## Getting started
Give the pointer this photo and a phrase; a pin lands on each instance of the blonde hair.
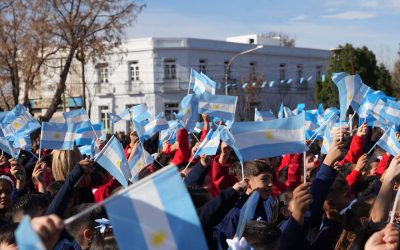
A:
(63, 162)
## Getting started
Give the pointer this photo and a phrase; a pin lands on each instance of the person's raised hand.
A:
(337, 149)
(87, 166)
(240, 186)
(302, 199)
(386, 239)
(362, 130)
(361, 163)
(48, 228)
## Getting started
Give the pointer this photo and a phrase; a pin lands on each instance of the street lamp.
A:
(228, 67)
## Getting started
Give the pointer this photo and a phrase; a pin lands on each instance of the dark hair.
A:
(85, 220)
(30, 204)
(338, 186)
(262, 235)
(365, 186)
(7, 235)
(199, 195)
(163, 159)
(255, 168)
(283, 174)
(54, 187)
(104, 241)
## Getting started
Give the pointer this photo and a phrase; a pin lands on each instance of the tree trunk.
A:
(26, 94)
(60, 86)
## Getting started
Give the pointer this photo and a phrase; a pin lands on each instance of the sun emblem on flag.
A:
(216, 106)
(187, 111)
(391, 144)
(158, 238)
(350, 97)
(57, 136)
(118, 162)
(17, 125)
(269, 135)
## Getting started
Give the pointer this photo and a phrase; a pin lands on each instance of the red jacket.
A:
(182, 155)
(220, 177)
(355, 151)
(353, 178)
(294, 171)
(383, 164)
(105, 190)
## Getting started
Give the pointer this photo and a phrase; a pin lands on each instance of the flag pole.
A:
(40, 143)
(188, 164)
(304, 153)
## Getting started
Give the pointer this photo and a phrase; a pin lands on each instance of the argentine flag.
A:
(312, 122)
(228, 138)
(210, 144)
(112, 158)
(85, 136)
(140, 159)
(22, 141)
(392, 112)
(389, 142)
(8, 148)
(247, 213)
(281, 112)
(218, 106)
(78, 117)
(200, 83)
(156, 213)
(258, 140)
(188, 112)
(264, 116)
(329, 132)
(57, 136)
(158, 124)
(18, 120)
(348, 86)
(140, 112)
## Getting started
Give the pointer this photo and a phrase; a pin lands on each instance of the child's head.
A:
(340, 195)
(259, 177)
(356, 218)
(7, 236)
(262, 235)
(83, 229)
(33, 205)
(310, 159)
(6, 191)
(372, 165)
(104, 241)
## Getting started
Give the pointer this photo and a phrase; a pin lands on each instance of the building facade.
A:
(156, 71)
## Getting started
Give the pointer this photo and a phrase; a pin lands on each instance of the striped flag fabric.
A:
(389, 142)
(18, 121)
(140, 160)
(156, 213)
(201, 83)
(57, 136)
(112, 158)
(86, 135)
(263, 116)
(210, 144)
(79, 117)
(258, 140)
(218, 106)
(158, 124)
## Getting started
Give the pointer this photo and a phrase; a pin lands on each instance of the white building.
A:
(156, 71)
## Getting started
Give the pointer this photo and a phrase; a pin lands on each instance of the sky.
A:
(314, 24)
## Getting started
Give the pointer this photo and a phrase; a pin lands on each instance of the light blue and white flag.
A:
(57, 136)
(312, 122)
(112, 158)
(228, 138)
(247, 213)
(79, 117)
(200, 83)
(158, 124)
(114, 118)
(22, 141)
(348, 86)
(287, 112)
(156, 213)
(389, 142)
(140, 112)
(300, 108)
(27, 238)
(140, 159)
(210, 144)
(281, 113)
(258, 140)
(218, 106)
(6, 146)
(392, 112)
(20, 121)
(263, 116)
(188, 112)
(329, 132)
(85, 136)
(87, 150)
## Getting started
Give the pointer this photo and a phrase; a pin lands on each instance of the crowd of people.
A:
(343, 202)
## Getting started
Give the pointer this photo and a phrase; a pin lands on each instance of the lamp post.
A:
(228, 67)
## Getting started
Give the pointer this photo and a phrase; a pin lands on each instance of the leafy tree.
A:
(352, 60)
(91, 26)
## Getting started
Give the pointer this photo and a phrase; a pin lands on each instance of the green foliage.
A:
(352, 60)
